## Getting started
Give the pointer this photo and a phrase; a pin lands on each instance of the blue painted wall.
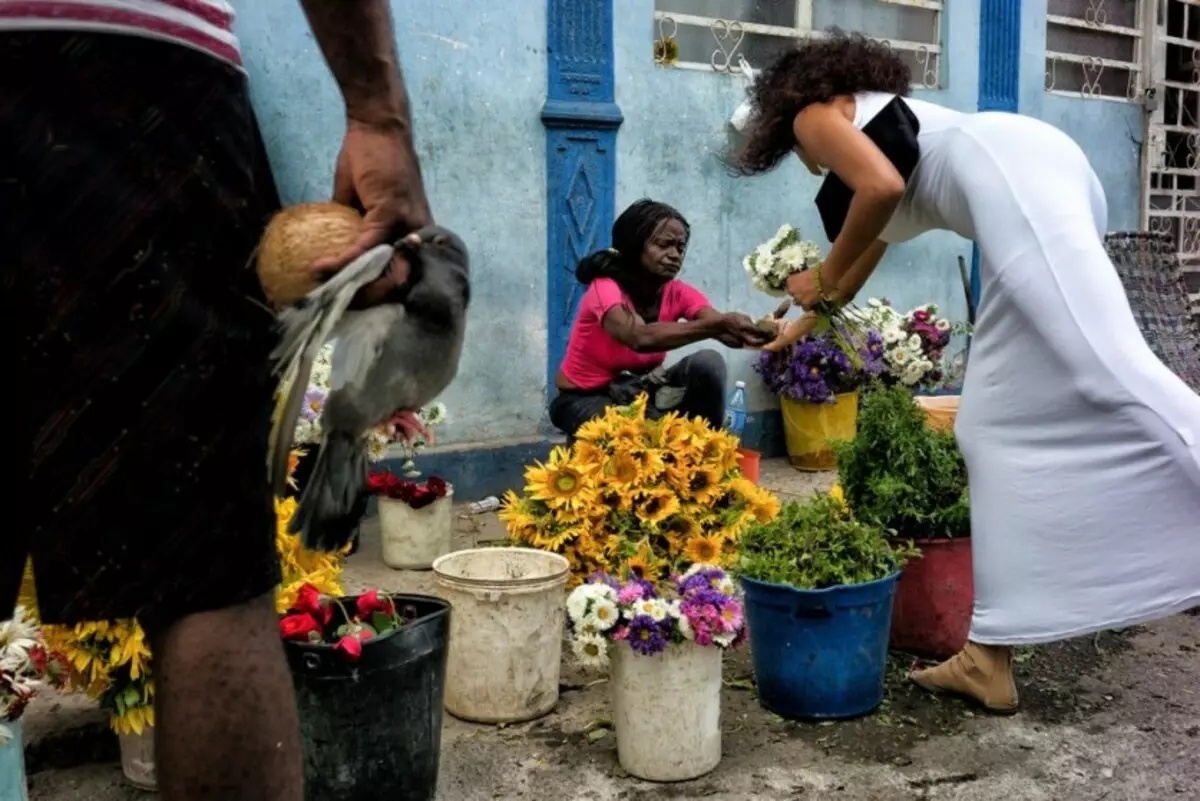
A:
(478, 76)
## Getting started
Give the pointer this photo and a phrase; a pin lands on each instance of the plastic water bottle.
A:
(735, 410)
(488, 504)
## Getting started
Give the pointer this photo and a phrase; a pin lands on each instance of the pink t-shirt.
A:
(593, 357)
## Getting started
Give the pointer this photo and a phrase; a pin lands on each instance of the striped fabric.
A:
(206, 25)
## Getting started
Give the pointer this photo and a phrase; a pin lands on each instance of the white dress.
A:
(1080, 444)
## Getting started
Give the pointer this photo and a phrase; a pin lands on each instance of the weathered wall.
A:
(476, 73)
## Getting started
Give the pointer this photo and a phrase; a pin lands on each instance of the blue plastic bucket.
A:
(820, 654)
(12, 764)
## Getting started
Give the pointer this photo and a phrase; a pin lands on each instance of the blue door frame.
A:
(581, 121)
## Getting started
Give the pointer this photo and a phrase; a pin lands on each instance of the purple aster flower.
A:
(314, 401)
(646, 635)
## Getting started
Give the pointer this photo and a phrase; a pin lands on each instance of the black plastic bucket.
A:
(372, 729)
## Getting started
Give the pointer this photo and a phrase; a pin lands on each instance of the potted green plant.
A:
(903, 475)
(819, 586)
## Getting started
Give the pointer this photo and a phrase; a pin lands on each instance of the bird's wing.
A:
(360, 341)
(305, 328)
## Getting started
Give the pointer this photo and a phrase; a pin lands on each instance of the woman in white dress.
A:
(1080, 444)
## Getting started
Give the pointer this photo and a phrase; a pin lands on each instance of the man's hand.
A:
(377, 171)
(792, 331)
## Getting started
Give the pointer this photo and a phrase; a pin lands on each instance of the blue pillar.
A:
(999, 74)
(581, 121)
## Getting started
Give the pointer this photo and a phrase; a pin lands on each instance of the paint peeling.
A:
(454, 43)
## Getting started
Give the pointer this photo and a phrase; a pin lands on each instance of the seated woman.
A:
(633, 312)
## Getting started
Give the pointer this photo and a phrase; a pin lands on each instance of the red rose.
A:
(437, 486)
(308, 599)
(298, 626)
(382, 483)
(421, 498)
(39, 658)
(349, 646)
(370, 602)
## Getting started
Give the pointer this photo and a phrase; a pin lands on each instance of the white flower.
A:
(578, 601)
(656, 608)
(875, 303)
(893, 334)
(724, 640)
(914, 343)
(591, 650)
(604, 614)
(942, 324)
(899, 356)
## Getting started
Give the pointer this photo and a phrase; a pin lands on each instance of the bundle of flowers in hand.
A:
(637, 496)
(414, 433)
(774, 261)
(700, 606)
(417, 494)
(27, 665)
(316, 618)
(816, 369)
(770, 264)
(913, 342)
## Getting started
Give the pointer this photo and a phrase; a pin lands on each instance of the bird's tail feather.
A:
(335, 499)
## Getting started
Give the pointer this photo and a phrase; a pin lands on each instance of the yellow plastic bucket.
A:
(809, 427)
(940, 411)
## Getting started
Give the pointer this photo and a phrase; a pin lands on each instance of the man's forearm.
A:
(359, 45)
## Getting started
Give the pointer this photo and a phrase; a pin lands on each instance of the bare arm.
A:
(625, 326)
(854, 278)
(356, 39)
(828, 136)
(377, 168)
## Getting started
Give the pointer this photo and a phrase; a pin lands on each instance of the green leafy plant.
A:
(901, 474)
(819, 544)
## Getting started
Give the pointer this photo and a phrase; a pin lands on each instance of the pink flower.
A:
(731, 617)
(921, 315)
(621, 633)
(629, 593)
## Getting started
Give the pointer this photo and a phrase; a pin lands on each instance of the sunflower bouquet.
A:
(639, 497)
(110, 661)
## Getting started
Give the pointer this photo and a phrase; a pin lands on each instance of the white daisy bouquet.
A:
(379, 439)
(26, 666)
(914, 342)
(770, 264)
(700, 606)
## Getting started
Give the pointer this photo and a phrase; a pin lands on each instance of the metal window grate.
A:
(714, 35)
(1094, 48)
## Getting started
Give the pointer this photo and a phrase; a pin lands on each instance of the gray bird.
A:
(393, 359)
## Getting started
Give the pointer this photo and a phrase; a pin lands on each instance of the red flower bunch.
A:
(415, 495)
(309, 620)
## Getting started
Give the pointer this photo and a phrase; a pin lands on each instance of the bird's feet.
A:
(408, 427)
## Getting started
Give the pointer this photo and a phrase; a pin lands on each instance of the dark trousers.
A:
(133, 188)
(701, 376)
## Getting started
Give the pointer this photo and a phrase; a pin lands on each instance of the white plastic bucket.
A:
(137, 759)
(505, 632)
(667, 711)
(413, 538)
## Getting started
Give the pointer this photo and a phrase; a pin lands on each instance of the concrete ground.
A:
(1114, 717)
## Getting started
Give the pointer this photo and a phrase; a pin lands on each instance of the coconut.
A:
(295, 239)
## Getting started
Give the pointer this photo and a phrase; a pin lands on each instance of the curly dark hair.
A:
(815, 71)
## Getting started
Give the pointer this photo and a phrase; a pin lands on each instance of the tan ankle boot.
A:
(980, 672)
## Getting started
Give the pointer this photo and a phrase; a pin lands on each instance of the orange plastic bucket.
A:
(940, 410)
(749, 461)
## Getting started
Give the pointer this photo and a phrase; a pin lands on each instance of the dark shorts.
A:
(133, 188)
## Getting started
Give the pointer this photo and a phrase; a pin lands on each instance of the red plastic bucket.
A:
(932, 613)
(748, 461)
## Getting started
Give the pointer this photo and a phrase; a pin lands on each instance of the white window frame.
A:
(728, 34)
(1095, 19)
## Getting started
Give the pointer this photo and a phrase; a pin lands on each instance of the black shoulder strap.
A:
(894, 131)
